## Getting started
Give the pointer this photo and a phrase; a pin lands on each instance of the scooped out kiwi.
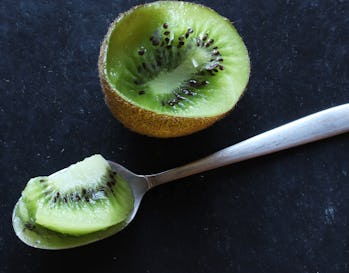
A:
(73, 204)
(172, 68)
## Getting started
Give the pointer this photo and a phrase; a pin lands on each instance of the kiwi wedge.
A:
(86, 200)
(172, 68)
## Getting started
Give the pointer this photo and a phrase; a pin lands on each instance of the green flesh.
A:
(38, 236)
(143, 71)
(81, 199)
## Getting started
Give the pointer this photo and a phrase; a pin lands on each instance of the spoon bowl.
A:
(324, 124)
(41, 237)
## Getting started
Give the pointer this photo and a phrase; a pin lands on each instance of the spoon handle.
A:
(323, 124)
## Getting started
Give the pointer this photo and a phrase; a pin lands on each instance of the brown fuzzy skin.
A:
(141, 120)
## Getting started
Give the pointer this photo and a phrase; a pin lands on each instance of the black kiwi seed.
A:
(221, 67)
(71, 196)
(204, 38)
(77, 197)
(42, 180)
(55, 197)
(193, 83)
(172, 102)
(167, 40)
(29, 226)
(165, 25)
(102, 190)
(187, 92)
(179, 97)
(83, 191)
(181, 43)
(141, 92)
(87, 199)
(141, 52)
(189, 31)
(155, 42)
(215, 52)
(65, 199)
(166, 33)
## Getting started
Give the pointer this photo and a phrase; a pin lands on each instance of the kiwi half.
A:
(82, 199)
(171, 68)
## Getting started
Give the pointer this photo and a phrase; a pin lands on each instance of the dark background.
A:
(287, 212)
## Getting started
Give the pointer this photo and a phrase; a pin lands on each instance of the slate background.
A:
(286, 212)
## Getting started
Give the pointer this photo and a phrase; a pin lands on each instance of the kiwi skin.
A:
(143, 121)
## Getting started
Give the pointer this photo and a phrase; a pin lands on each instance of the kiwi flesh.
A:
(171, 68)
(85, 198)
(38, 236)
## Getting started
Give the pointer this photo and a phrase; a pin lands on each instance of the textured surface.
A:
(286, 212)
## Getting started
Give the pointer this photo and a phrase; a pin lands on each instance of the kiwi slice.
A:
(171, 68)
(82, 199)
(38, 236)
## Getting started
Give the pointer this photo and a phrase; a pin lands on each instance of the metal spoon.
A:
(320, 125)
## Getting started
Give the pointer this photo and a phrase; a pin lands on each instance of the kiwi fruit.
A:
(85, 198)
(36, 235)
(172, 68)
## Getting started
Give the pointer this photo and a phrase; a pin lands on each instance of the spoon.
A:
(320, 125)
